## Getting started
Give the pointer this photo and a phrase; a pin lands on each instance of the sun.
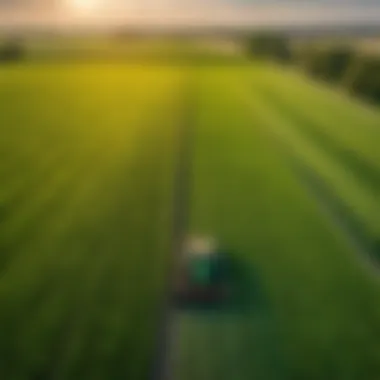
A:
(84, 5)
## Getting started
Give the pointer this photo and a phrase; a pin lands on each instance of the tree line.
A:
(11, 50)
(339, 64)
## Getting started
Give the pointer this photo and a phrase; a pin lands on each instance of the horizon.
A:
(69, 13)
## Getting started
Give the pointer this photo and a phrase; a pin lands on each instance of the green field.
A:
(89, 152)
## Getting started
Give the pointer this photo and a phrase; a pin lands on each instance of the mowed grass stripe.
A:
(40, 206)
(40, 193)
(348, 157)
(20, 190)
(346, 119)
(246, 195)
(29, 282)
(23, 182)
(38, 310)
(360, 199)
(25, 168)
(99, 269)
(41, 252)
(214, 344)
(150, 232)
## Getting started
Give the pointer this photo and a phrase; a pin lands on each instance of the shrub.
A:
(363, 78)
(269, 46)
(335, 63)
(330, 64)
(11, 50)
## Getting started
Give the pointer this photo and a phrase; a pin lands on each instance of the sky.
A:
(220, 12)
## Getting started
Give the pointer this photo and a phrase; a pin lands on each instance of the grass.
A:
(86, 200)
(339, 147)
(87, 171)
(321, 305)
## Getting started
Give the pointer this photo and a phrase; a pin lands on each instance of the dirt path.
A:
(169, 325)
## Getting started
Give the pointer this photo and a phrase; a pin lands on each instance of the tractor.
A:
(203, 277)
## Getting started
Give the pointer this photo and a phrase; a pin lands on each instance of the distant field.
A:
(88, 156)
(137, 49)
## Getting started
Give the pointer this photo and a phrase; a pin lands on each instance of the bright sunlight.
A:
(84, 5)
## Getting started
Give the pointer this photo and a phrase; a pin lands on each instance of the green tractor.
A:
(203, 276)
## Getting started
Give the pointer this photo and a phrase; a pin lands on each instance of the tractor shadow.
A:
(245, 291)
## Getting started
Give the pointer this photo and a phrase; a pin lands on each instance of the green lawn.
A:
(336, 136)
(317, 304)
(86, 197)
(88, 153)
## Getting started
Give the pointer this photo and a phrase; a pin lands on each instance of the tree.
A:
(269, 46)
(329, 64)
(363, 78)
(335, 62)
(11, 50)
